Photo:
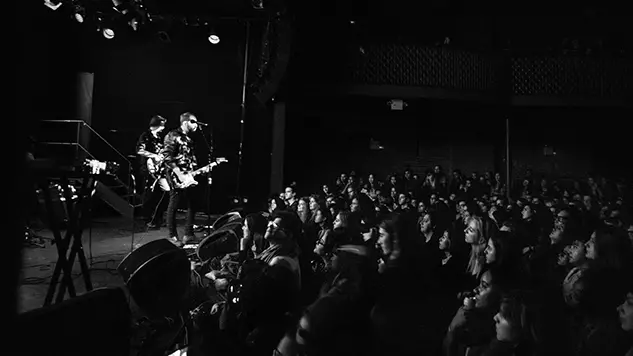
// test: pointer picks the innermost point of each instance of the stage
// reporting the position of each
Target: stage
(105, 245)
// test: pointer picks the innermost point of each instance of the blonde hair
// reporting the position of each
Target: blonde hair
(477, 256)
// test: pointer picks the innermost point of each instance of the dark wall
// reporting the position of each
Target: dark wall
(331, 136)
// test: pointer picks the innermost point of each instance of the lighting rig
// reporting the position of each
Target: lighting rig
(106, 16)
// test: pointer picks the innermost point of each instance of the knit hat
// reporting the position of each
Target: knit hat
(157, 121)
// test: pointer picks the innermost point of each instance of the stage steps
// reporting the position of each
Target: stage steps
(60, 140)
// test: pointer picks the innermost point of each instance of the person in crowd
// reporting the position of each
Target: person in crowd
(473, 325)
(559, 254)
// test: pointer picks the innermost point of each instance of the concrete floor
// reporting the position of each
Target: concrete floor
(105, 246)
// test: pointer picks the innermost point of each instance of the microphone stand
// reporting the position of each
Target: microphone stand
(207, 194)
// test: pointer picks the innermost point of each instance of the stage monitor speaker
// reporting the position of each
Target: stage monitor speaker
(221, 242)
(96, 323)
(157, 275)
(227, 218)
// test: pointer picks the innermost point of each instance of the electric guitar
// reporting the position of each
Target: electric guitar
(188, 179)
(154, 164)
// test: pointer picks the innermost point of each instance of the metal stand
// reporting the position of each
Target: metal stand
(209, 143)
(72, 238)
(247, 43)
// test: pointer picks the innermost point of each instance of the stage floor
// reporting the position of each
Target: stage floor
(105, 246)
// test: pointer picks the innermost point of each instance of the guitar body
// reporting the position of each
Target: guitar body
(153, 165)
(188, 179)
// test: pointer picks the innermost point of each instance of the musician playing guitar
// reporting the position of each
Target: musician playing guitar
(180, 160)
(148, 148)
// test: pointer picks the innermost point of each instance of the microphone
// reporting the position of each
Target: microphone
(202, 124)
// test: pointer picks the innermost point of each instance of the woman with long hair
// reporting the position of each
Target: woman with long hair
(303, 210)
(400, 315)
(275, 203)
(517, 329)
(625, 314)
(503, 252)
(474, 236)
(323, 222)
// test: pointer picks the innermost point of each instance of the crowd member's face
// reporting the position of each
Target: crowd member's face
(338, 222)
(491, 252)
(472, 233)
(402, 199)
(354, 206)
(313, 204)
(273, 230)
(626, 313)
(503, 328)
(484, 291)
(445, 241)
(302, 206)
(425, 224)
(318, 216)
(370, 179)
(527, 212)
(576, 252)
(385, 241)
(326, 189)
(421, 207)
(590, 247)
(289, 193)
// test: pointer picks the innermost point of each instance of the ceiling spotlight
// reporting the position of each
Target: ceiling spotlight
(258, 4)
(108, 33)
(52, 4)
(214, 39)
(134, 23)
(79, 13)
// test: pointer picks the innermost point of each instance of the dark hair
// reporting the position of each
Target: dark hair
(613, 248)
(290, 222)
(257, 223)
(507, 247)
(522, 313)
(281, 205)
(326, 215)
(401, 230)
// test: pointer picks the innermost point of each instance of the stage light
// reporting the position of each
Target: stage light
(258, 4)
(79, 13)
(214, 39)
(53, 5)
(108, 33)
(133, 24)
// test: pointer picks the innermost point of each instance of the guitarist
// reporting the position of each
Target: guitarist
(179, 159)
(148, 148)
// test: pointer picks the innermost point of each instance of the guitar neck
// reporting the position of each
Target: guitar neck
(201, 170)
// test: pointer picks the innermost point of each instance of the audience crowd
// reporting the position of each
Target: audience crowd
(445, 265)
